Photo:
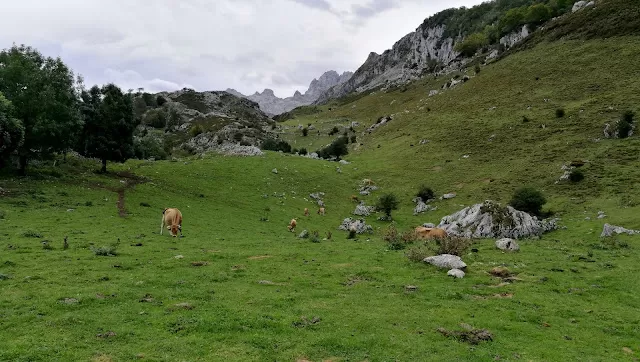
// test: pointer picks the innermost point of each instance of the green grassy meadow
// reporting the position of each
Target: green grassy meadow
(259, 293)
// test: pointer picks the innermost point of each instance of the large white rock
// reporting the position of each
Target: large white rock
(610, 230)
(491, 220)
(446, 261)
(456, 273)
(507, 244)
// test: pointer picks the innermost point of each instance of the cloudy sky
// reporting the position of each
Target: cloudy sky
(248, 45)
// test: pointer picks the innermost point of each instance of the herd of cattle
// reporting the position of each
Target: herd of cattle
(172, 219)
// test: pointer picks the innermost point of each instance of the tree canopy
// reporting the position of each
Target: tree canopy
(44, 98)
(11, 130)
(109, 124)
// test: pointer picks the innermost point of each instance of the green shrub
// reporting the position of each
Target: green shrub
(155, 118)
(315, 237)
(387, 203)
(337, 149)
(625, 125)
(471, 44)
(352, 234)
(104, 251)
(160, 101)
(425, 193)
(529, 200)
(149, 100)
(576, 175)
(305, 132)
(88, 203)
(196, 130)
(354, 139)
(333, 131)
(144, 204)
(32, 234)
(276, 145)
(150, 146)
(477, 69)
(453, 245)
(418, 253)
(2, 214)
(559, 113)
(303, 151)
(525, 119)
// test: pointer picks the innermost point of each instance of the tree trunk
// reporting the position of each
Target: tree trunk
(104, 166)
(23, 165)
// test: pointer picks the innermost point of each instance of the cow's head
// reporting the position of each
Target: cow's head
(174, 230)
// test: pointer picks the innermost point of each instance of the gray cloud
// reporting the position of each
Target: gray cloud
(208, 45)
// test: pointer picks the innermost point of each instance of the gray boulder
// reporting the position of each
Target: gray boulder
(344, 162)
(364, 210)
(304, 234)
(456, 273)
(422, 207)
(507, 244)
(610, 230)
(359, 226)
(429, 225)
(446, 261)
(491, 220)
(317, 196)
(581, 5)
(275, 170)
(449, 196)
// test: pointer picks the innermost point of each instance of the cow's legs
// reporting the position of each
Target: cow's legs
(162, 224)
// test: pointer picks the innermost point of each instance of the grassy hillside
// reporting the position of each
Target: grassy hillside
(263, 294)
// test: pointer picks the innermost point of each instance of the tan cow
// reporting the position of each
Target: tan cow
(321, 211)
(306, 211)
(430, 233)
(292, 225)
(368, 182)
(354, 198)
(172, 218)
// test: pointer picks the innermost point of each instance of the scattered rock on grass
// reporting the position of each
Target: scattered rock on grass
(275, 170)
(456, 273)
(364, 210)
(304, 234)
(359, 226)
(446, 261)
(507, 244)
(610, 230)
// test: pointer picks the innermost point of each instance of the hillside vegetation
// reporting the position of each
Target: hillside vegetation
(240, 287)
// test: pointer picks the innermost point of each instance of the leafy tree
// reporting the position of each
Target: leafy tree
(336, 149)
(305, 132)
(11, 130)
(160, 101)
(109, 124)
(529, 200)
(426, 193)
(42, 92)
(538, 14)
(469, 46)
(512, 19)
(387, 203)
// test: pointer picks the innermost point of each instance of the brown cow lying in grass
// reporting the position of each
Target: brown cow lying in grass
(292, 225)
(172, 218)
(430, 233)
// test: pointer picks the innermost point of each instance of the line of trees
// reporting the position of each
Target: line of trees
(45, 109)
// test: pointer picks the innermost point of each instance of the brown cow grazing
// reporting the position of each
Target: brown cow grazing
(430, 233)
(355, 198)
(292, 225)
(306, 211)
(172, 218)
(368, 182)
(321, 211)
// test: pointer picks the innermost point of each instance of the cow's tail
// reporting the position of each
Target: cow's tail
(162, 223)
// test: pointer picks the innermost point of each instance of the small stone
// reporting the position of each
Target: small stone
(410, 288)
(456, 273)
(275, 170)
(449, 196)
(446, 261)
(179, 257)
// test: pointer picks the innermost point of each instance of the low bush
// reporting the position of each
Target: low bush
(529, 200)
(104, 251)
(315, 237)
(336, 149)
(453, 245)
(32, 234)
(418, 253)
(354, 139)
(305, 132)
(387, 203)
(276, 145)
(303, 151)
(333, 131)
(559, 113)
(425, 193)
(576, 175)
(196, 130)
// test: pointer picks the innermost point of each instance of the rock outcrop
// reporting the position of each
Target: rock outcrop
(491, 220)
(610, 230)
(359, 226)
(273, 105)
(507, 244)
(446, 261)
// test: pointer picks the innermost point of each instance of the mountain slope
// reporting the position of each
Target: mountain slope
(273, 105)
(450, 39)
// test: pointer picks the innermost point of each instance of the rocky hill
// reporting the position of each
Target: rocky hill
(450, 39)
(195, 122)
(273, 105)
